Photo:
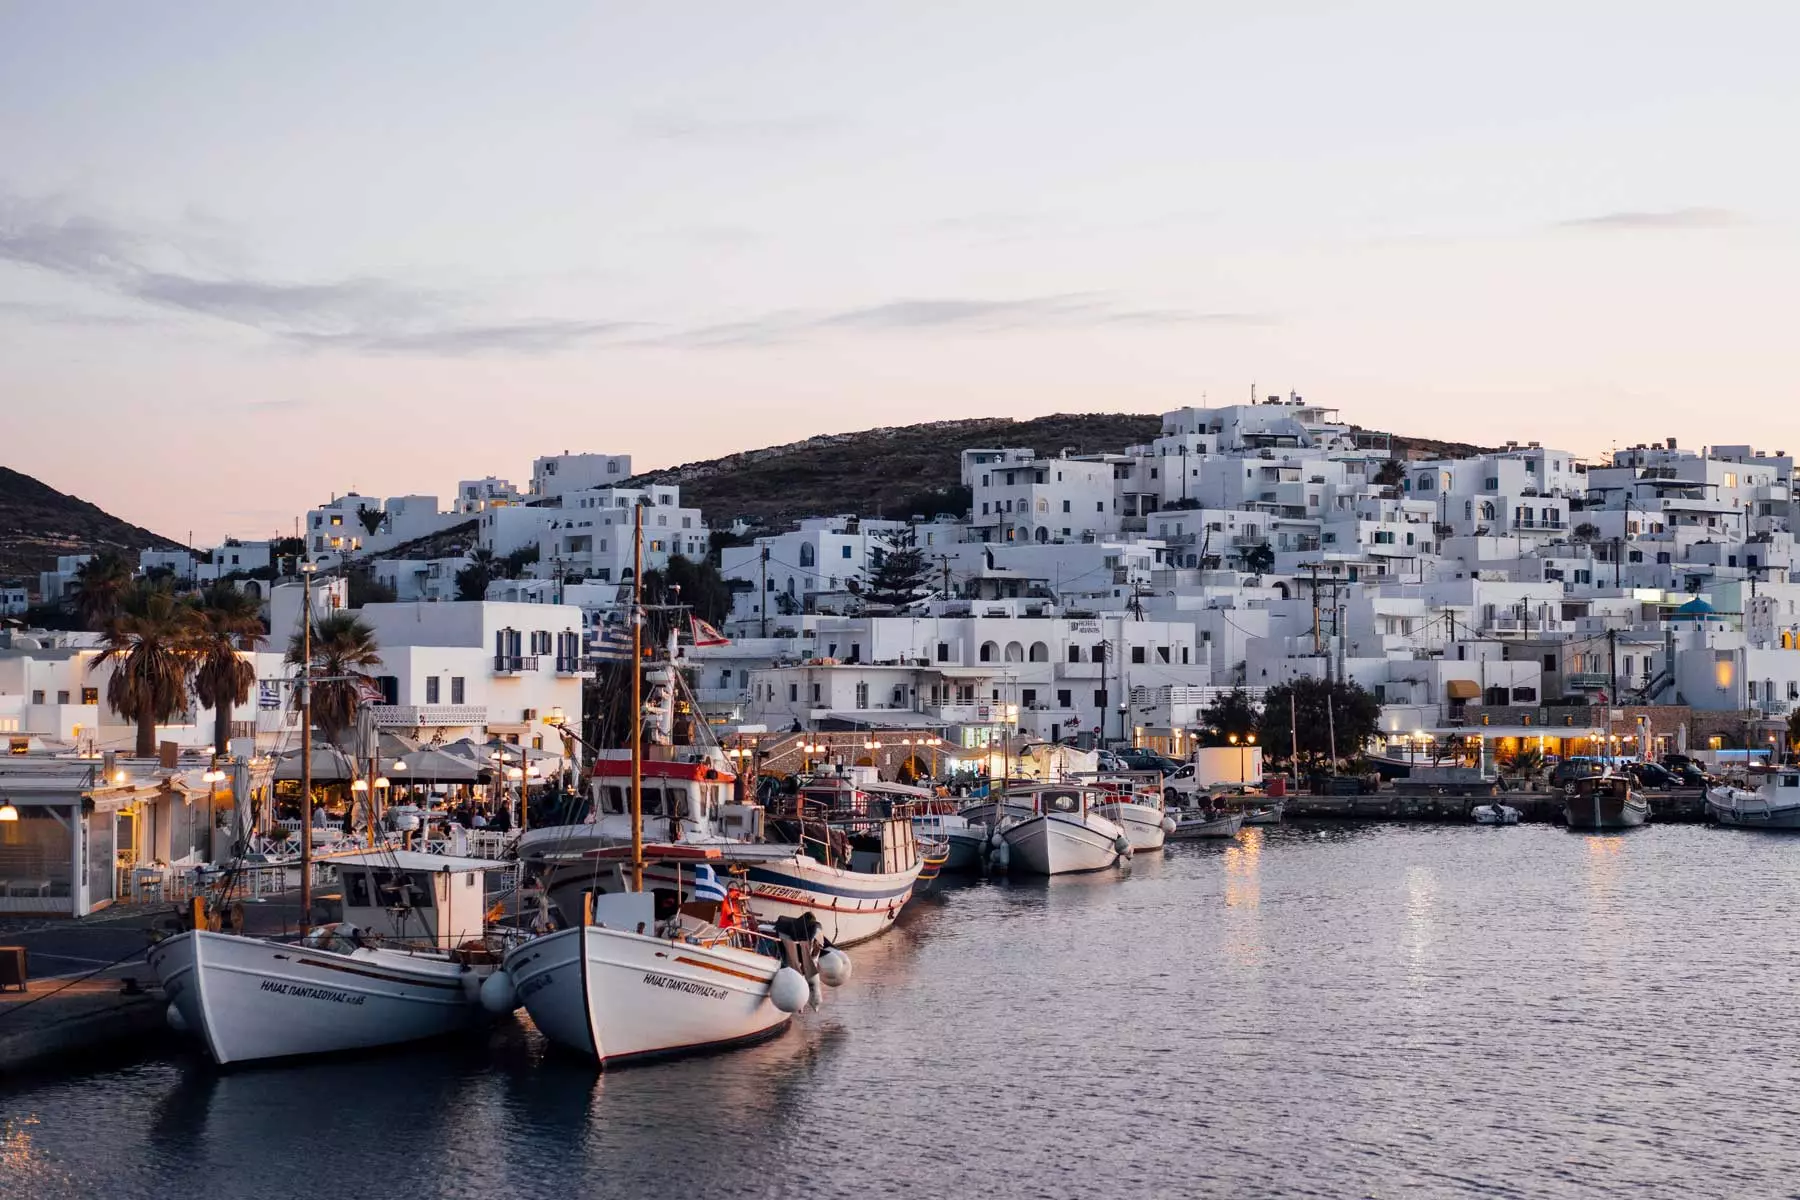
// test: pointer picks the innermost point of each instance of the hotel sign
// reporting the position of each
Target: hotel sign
(1085, 626)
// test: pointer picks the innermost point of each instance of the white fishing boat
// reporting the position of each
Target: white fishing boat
(1140, 814)
(645, 974)
(1063, 834)
(1194, 824)
(1773, 804)
(1495, 814)
(406, 963)
(966, 840)
(626, 986)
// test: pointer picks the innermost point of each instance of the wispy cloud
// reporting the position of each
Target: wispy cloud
(1668, 218)
(366, 314)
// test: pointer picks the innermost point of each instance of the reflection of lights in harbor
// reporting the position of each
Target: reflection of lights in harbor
(1243, 861)
(15, 1145)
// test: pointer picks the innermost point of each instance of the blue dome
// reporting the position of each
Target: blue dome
(1694, 610)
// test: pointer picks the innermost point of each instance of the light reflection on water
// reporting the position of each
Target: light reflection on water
(1352, 1010)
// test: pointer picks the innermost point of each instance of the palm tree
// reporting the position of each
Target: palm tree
(230, 622)
(152, 645)
(342, 644)
(99, 588)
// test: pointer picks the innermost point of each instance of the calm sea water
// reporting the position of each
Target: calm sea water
(1367, 1011)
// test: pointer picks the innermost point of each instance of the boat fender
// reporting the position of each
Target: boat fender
(788, 991)
(1002, 856)
(1122, 844)
(997, 841)
(177, 1022)
(498, 995)
(834, 967)
(1168, 824)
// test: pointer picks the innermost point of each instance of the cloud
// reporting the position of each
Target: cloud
(56, 314)
(523, 337)
(366, 314)
(1061, 311)
(1668, 218)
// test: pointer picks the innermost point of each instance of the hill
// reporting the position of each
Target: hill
(904, 470)
(876, 471)
(38, 523)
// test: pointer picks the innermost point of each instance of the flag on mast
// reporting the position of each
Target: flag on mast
(706, 635)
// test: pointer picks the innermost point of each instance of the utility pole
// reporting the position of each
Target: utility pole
(762, 603)
(945, 560)
(1318, 646)
(1612, 664)
(1618, 549)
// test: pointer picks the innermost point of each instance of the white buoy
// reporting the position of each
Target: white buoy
(1122, 844)
(498, 995)
(177, 1022)
(834, 967)
(1168, 824)
(1002, 856)
(996, 841)
(788, 990)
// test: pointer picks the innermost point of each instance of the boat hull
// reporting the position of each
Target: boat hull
(968, 848)
(1194, 829)
(249, 999)
(1749, 810)
(618, 997)
(1605, 813)
(1059, 844)
(1269, 814)
(1142, 823)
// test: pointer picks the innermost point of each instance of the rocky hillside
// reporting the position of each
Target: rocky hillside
(905, 470)
(37, 523)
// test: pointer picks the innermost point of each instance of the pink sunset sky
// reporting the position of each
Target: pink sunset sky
(251, 255)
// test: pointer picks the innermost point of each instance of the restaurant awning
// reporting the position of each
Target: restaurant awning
(1462, 689)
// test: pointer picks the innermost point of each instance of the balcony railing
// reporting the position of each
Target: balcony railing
(512, 664)
(413, 716)
(567, 665)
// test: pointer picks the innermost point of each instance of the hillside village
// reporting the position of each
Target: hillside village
(1644, 604)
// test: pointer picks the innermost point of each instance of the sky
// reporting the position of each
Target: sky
(255, 255)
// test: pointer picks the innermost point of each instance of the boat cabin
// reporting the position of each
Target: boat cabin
(1601, 787)
(409, 895)
(697, 793)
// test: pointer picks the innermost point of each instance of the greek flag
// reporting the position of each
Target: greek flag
(707, 885)
(613, 645)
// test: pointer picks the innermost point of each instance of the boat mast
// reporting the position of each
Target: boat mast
(637, 699)
(306, 749)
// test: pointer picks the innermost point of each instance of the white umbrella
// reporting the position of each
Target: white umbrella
(329, 765)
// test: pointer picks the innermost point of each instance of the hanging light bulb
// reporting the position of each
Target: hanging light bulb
(8, 812)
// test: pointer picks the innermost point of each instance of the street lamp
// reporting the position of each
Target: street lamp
(7, 811)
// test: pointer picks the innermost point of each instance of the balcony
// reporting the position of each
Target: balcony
(566, 665)
(1589, 681)
(417, 716)
(513, 664)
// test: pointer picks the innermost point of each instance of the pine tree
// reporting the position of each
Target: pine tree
(900, 574)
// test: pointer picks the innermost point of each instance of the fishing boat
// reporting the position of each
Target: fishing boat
(966, 841)
(1064, 834)
(1140, 814)
(1495, 814)
(1195, 824)
(648, 972)
(1605, 801)
(1773, 804)
(1267, 814)
(407, 962)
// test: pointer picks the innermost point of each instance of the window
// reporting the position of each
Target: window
(793, 693)
(846, 551)
(431, 689)
(1074, 652)
(1065, 506)
(37, 696)
(1549, 662)
(1065, 699)
(1162, 654)
(1750, 684)
(943, 651)
(1137, 654)
(815, 693)
(90, 695)
(807, 557)
(862, 695)
(62, 697)
(1028, 697)
(1099, 506)
(1100, 697)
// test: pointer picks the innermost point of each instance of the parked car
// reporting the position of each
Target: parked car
(1579, 767)
(1181, 785)
(1106, 760)
(1650, 775)
(1147, 760)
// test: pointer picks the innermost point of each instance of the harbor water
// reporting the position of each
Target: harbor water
(1371, 1010)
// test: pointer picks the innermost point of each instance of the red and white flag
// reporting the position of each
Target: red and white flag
(706, 635)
